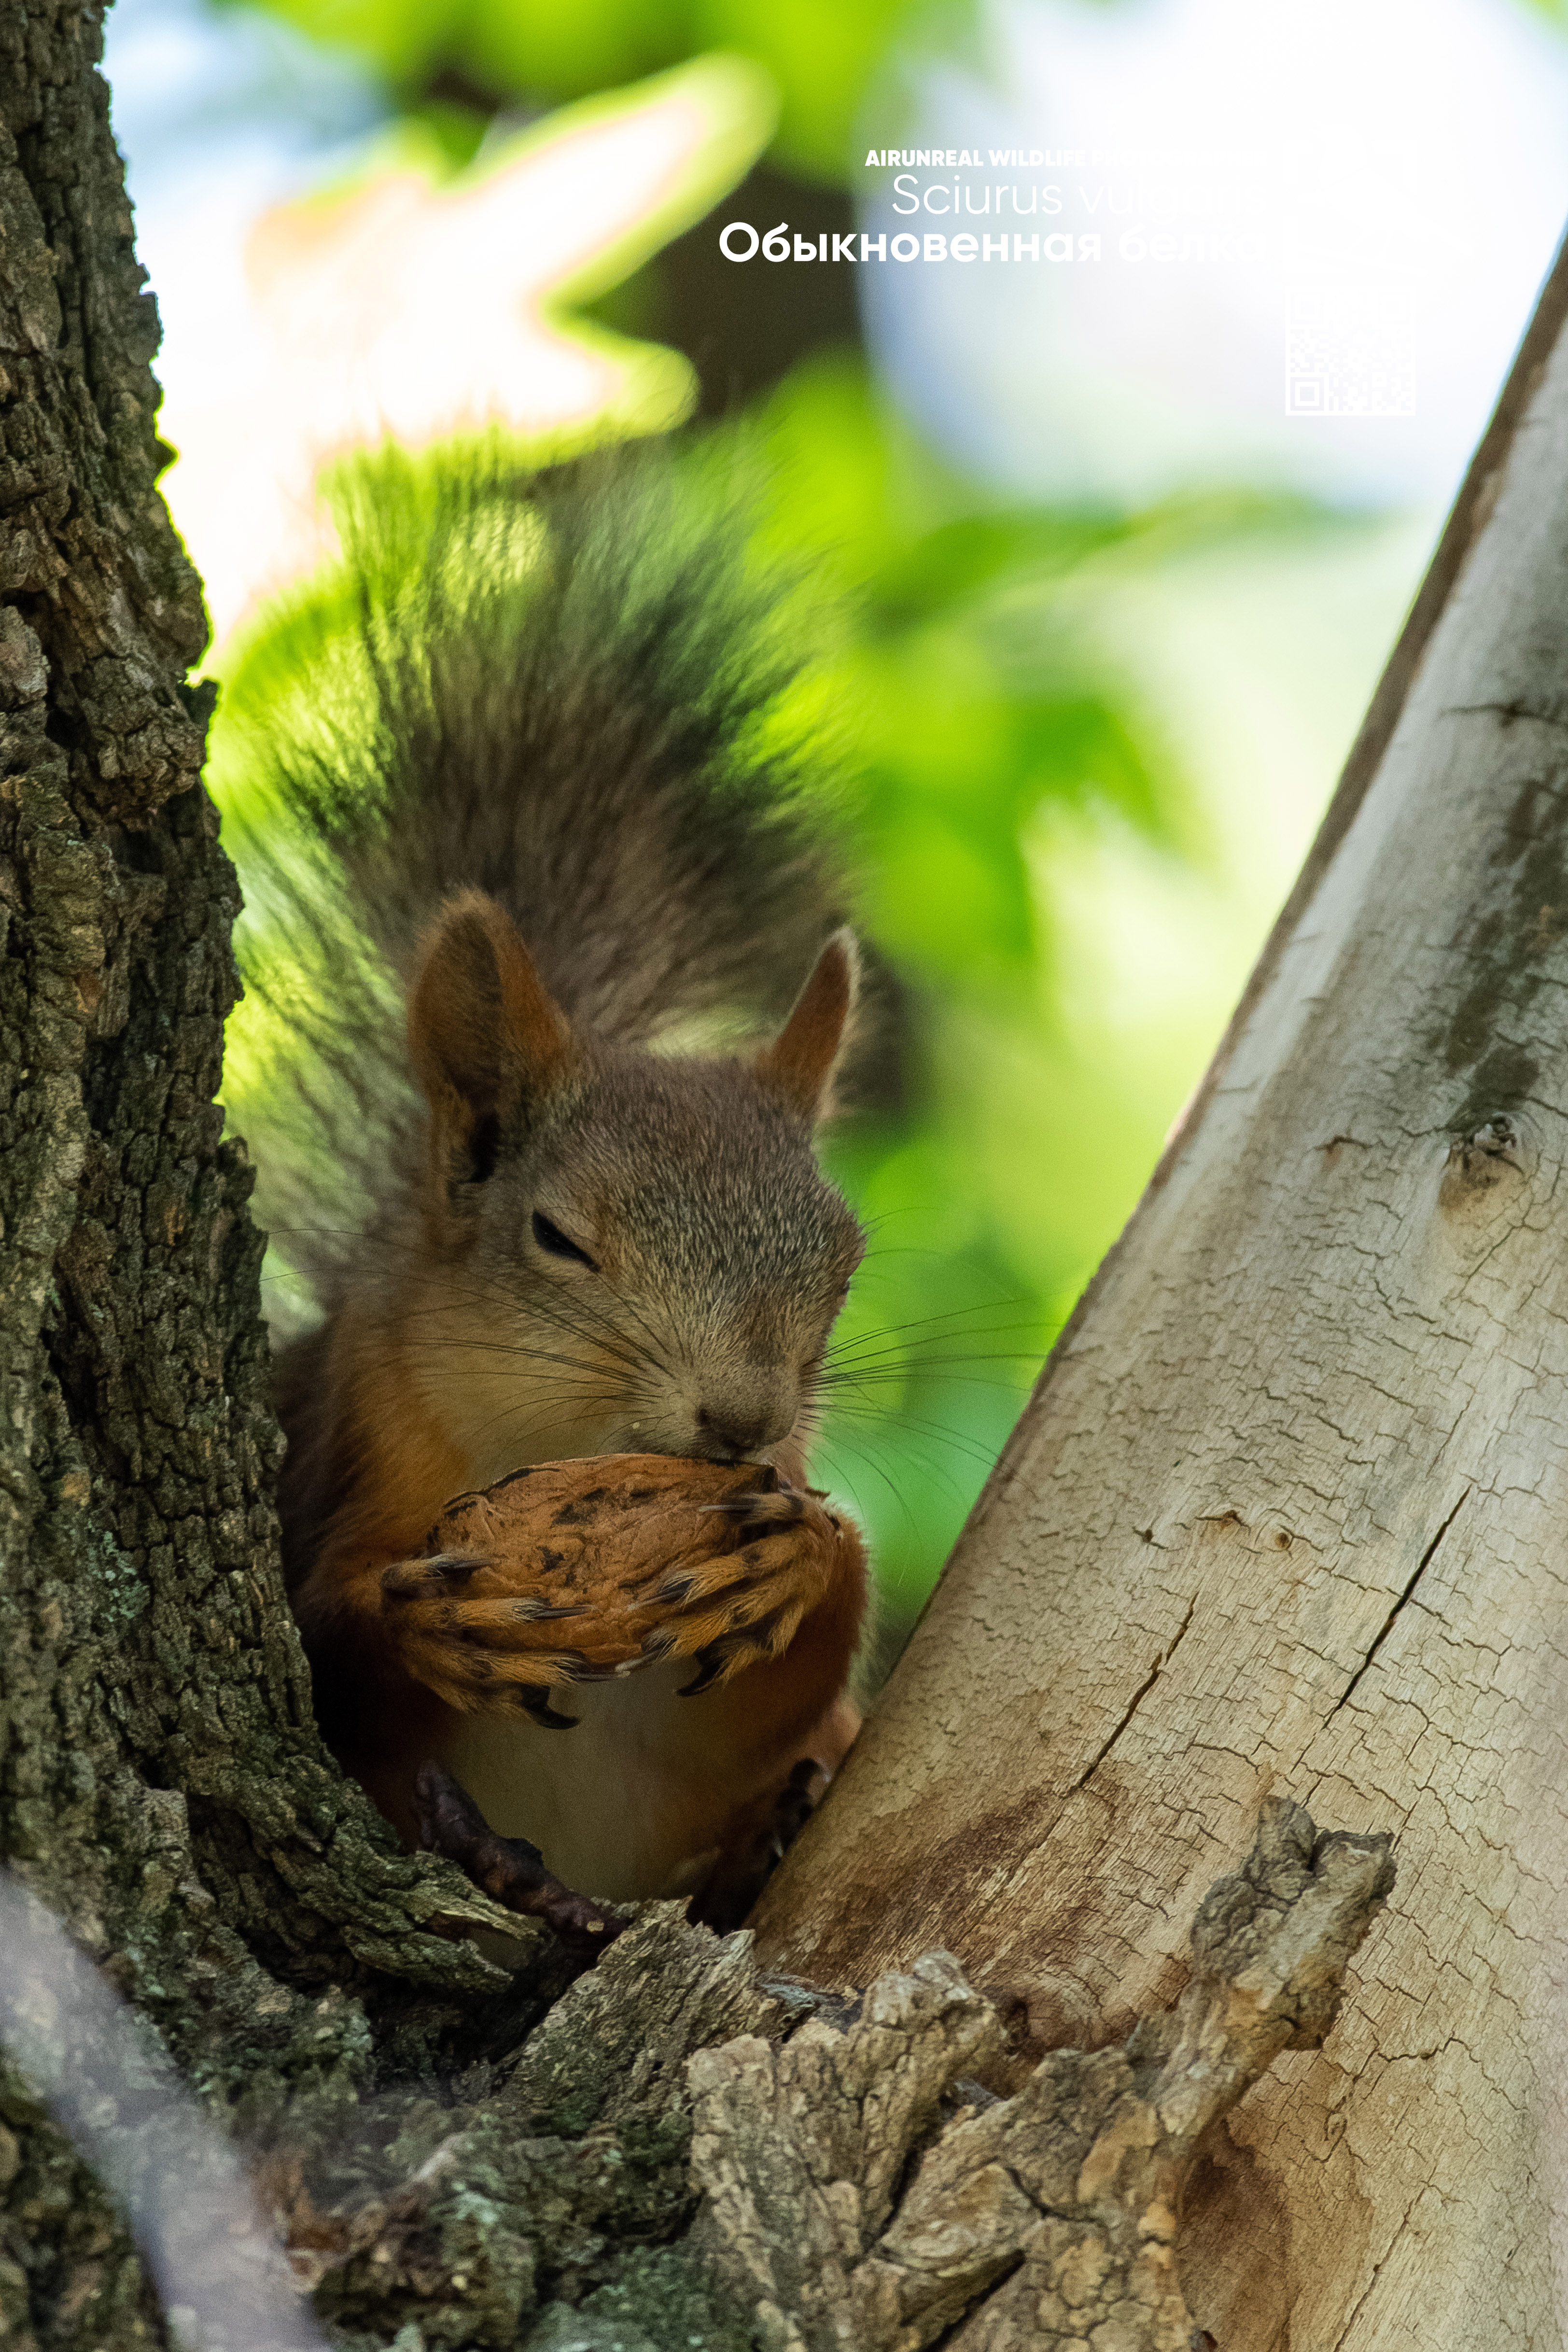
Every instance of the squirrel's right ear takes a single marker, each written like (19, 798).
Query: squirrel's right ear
(801, 1062)
(485, 1035)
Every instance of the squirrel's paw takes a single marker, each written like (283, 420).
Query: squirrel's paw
(776, 1550)
(463, 1629)
(581, 1571)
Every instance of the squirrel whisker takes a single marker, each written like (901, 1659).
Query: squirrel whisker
(898, 1376)
(616, 1341)
(960, 1440)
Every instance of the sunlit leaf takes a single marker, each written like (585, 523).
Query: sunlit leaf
(410, 301)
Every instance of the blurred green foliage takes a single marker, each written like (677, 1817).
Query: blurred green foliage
(980, 692)
(822, 54)
(967, 691)
(987, 701)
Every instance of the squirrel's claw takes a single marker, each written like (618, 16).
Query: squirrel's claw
(720, 1659)
(446, 1572)
(763, 1511)
(534, 1701)
(710, 1665)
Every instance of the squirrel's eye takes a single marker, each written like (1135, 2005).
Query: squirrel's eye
(551, 1237)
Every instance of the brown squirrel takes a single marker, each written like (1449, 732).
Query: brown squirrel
(561, 819)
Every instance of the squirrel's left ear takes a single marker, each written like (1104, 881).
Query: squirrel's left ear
(801, 1062)
(485, 1036)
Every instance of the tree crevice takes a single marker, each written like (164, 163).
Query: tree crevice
(1138, 1697)
(1422, 1565)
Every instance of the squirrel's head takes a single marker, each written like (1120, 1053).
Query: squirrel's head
(628, 1250)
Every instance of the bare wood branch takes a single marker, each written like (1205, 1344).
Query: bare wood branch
(1045, 2219)
(1285, 1514)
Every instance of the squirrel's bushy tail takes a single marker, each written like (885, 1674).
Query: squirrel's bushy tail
(571, 688)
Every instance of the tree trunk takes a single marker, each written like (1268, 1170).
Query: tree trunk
(1285, 1518)
(673, 2152)
(162, 1784)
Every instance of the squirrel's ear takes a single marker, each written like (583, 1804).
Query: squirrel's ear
(484, 1033)
(800, 1062)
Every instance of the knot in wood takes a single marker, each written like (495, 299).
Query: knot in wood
(1485, 1166)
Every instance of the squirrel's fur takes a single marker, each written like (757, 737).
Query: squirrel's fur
(566, 831)
(570, 689)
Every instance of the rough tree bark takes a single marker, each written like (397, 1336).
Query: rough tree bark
(161, 1781)
(674, 2151)
(1286, 1515)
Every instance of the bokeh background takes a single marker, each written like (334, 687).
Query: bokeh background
(1109, 598)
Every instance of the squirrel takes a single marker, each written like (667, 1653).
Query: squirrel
(542, 837)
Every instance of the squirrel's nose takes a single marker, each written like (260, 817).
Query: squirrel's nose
(740, 1432)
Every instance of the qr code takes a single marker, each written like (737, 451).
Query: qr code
(1349, 351)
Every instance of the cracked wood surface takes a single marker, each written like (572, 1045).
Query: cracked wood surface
(1046, 2219)
(1286, 1515)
